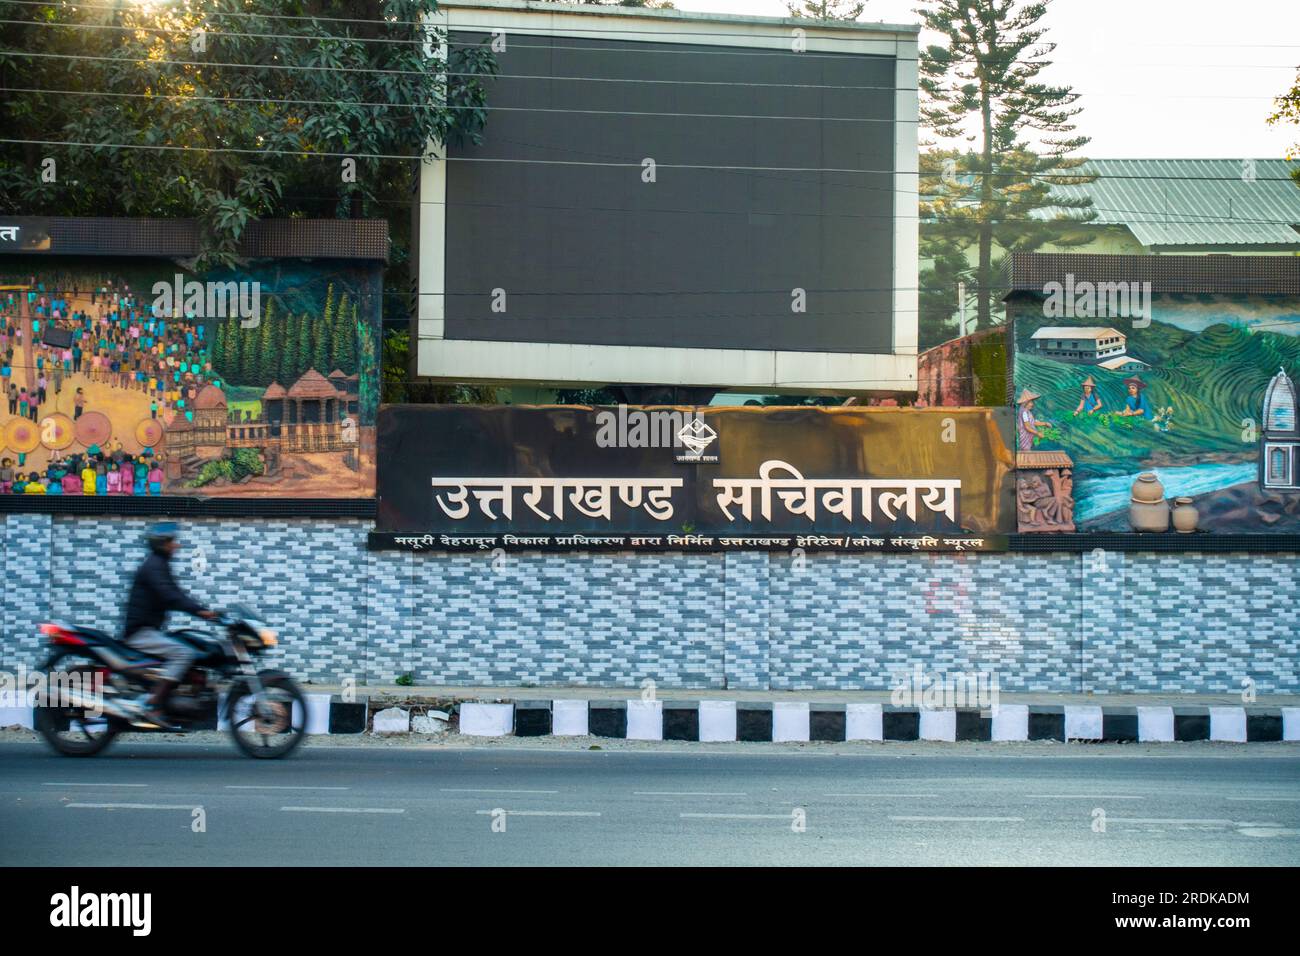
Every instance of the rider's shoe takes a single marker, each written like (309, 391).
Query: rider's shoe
(153, 719)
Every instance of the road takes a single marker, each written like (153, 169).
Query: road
(347, 806)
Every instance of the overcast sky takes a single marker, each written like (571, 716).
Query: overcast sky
(1158, 78)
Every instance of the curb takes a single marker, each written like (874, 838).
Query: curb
(725, 721)
(729, 720)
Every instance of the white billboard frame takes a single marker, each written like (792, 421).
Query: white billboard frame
(568, 365)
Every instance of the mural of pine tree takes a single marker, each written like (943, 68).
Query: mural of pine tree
(286, 351)
(304, 350)
(344, 349)
(219, 349)
(248, 357)
(230, 355)
(266, 339)
(339, 330)
(321, 330)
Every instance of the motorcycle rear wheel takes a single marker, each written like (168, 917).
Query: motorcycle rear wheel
(270, 734)
(68, 730)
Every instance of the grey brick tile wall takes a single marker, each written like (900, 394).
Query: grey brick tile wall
(1112, 622)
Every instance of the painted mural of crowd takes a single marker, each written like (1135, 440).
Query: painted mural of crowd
(55, 332)
(94, 472)
(119, 341)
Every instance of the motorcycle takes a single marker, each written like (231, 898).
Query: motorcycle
(97, 678)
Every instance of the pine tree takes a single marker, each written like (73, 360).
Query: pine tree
(248, 357)
(304, 349)
(219, 347)
(286, 358)
(230, 356)
(826, 9)
(344, 355)
(267, 336)
(338, 332)
(322, 329)
(985, 82)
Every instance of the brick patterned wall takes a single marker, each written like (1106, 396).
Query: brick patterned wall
(1137, 622)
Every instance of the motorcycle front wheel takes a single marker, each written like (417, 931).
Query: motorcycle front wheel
(270, 723)
(70, 730)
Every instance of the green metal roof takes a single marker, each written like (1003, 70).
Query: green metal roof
(1194, 202)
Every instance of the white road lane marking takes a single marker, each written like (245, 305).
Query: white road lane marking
(1176, 821)
(131, 806)
(1082, 796)
(340, 810)
(1269, 799)
(94, 785)
(958, 819)
(267, 786)
(684, 793)
(489, 790)
(735, 816)
(880, 794)
(540, 813)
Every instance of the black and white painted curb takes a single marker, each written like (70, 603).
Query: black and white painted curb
(731, 720)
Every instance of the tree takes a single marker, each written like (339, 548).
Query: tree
(343, 340)
(238, 109)
(1288, 112)
(303, 349)
(984, 86)
(267, 338)
(826, 9)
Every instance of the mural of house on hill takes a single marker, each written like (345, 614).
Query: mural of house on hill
(1180, 419)
(114, 388)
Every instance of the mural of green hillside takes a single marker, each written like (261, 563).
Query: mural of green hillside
(1208, 364)
(1213, 381)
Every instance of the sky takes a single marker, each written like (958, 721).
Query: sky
(1157, 78)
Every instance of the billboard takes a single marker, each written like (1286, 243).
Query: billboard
(517, 477)
(136, 377)
(1173, 411)
(676, 203)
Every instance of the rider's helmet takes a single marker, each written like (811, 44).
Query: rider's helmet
(160, 533)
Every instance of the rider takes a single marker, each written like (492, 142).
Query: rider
(154, 592)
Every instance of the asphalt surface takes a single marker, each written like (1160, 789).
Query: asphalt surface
(893, 805)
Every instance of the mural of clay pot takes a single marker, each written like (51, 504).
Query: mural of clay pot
(1186, 517)
(1149, 515)
(1148, 488)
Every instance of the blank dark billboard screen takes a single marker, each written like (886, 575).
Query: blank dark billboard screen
(587, 252)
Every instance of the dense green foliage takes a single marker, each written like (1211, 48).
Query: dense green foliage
(248, 109)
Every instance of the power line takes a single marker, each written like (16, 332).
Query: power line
(752, 51)
(168, 98)
(1042, 177)
(443, 73)
(455, 159)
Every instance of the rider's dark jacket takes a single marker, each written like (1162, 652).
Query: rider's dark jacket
(154, 592)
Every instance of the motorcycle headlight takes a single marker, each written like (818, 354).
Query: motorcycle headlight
(268, 636)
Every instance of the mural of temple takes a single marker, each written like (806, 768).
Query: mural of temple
(1279, 451)
(312, 415)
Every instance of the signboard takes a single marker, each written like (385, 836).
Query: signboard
(457, 477)
(676, 200)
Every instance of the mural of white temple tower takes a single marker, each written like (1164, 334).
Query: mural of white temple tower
(1279, 459)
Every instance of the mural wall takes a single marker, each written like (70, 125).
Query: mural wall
(1183, 419)
(136, 377)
